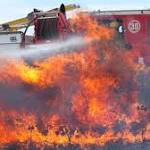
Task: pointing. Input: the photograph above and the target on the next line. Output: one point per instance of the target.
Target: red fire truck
(132, 27)
(46, 28)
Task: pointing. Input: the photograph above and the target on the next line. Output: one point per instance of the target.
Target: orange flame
(87, 91)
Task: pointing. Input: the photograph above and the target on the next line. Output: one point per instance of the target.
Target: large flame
(85, 97)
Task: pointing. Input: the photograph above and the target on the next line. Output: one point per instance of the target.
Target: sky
(12, 9)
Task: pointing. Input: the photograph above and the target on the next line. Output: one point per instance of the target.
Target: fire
(92, 31)
(90, 96)
(29, 75)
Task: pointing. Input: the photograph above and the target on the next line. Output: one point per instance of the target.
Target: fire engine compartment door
(10, 40)
(46, 28)
(10, 37)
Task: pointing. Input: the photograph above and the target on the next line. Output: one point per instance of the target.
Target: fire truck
(132, 28)
(44, 23)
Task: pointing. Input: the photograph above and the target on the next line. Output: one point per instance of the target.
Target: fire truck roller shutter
(47, 29)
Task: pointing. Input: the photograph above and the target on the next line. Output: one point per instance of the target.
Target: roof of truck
(121, 12)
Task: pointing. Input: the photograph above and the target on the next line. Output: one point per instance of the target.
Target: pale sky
(13, 9)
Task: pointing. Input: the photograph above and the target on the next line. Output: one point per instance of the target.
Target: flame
(85, 97)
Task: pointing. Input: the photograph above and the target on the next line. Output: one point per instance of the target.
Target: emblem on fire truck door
(134, 26)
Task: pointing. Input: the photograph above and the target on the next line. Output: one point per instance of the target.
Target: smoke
(16, 96)
(41, 51)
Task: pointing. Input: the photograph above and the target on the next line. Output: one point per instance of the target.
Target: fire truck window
(149, 32)
(106, 22)
(109, 23)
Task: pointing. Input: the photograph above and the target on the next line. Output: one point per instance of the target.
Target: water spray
(40, 51)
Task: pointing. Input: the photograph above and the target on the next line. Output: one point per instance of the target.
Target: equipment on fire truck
(23, 22)
(62, 23)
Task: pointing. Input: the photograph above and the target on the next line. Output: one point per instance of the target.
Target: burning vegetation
(87, 98)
